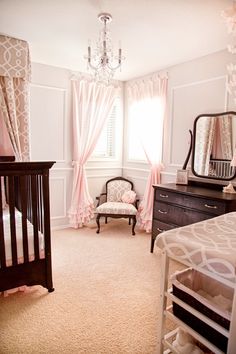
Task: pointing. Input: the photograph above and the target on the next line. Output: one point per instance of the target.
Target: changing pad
(208, 244)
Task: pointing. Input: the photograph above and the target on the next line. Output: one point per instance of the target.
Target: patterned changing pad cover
(208, 244)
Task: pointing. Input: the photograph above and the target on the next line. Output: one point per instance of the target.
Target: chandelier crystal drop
(102, 60)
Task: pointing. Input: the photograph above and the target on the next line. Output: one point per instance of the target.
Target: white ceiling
(154, 34)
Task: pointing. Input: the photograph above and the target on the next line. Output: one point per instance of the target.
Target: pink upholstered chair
(118, 201)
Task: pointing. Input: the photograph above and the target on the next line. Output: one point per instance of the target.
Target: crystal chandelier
(102, 61)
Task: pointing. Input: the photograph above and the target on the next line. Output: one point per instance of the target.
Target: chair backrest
(116, 187)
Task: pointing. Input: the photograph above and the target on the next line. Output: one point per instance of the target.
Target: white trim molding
(65, 95)
(51, 178)
(173, 89)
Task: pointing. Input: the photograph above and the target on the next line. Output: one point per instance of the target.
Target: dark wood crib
(26, 187)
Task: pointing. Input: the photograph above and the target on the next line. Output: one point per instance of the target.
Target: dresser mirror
(214, 142)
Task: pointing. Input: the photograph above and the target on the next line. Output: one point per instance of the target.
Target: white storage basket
(186, 285)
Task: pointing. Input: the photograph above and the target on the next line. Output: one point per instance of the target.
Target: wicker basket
(186, 285)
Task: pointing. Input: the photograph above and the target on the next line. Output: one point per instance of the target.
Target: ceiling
(154, 34)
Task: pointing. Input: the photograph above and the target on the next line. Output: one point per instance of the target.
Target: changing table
(208, 246)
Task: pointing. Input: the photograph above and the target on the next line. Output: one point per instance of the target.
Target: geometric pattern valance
(14, 58)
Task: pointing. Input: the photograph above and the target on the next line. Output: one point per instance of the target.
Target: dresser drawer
(158, 227)
(173, 214)
(168, 196)
(177, 205)
(216, 207)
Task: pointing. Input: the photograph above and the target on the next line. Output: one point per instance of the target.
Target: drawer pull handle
(160, 230)
(210, 206)
(164, 195)
(162, 211)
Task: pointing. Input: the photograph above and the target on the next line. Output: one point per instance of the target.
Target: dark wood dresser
(179, 205)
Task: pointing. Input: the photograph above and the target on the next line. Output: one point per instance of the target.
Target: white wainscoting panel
(47, 123)
(139, 178)
(58, 197)
(187, 102)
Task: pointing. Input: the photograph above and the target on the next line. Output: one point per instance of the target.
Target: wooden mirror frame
(194, 146)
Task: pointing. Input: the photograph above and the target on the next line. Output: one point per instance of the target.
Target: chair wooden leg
(153, 238)
(98, 223)
(105, 219)
(129, 221)
(133, 226)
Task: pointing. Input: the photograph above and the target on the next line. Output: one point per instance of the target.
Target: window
(145, 129)
(106, 144)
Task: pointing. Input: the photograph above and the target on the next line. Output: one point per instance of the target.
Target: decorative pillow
(128, 197)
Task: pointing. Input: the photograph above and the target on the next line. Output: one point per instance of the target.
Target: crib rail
(221, 168)
(26, 190)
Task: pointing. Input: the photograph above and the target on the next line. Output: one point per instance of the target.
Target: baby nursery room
(118, 176)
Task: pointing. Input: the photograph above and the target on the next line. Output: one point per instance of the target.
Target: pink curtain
(148, 96)
(223, 138)
(14, 95)
(217, 152)
(203, 144)
(92, 104)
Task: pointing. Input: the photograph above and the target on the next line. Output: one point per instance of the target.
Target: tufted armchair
(118, 201)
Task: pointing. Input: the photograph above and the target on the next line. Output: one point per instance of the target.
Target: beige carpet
(105, 299)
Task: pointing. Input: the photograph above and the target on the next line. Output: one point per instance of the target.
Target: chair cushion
(116, 208)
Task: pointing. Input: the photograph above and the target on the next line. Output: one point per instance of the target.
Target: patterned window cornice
(14, 58)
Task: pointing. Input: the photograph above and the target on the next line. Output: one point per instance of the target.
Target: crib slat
(29, 199)
(34, 195)
(12, 219)
(47, 229)
(2, 243)
(40, 204)
(24, 197)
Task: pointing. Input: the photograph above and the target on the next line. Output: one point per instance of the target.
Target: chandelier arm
(118, 64)
(113, 67)
(94, 67)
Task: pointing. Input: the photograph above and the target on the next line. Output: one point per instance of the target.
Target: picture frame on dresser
(182, 177)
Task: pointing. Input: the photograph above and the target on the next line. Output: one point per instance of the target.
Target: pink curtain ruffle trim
(145, 225)
(81, 216)
(144, 219)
